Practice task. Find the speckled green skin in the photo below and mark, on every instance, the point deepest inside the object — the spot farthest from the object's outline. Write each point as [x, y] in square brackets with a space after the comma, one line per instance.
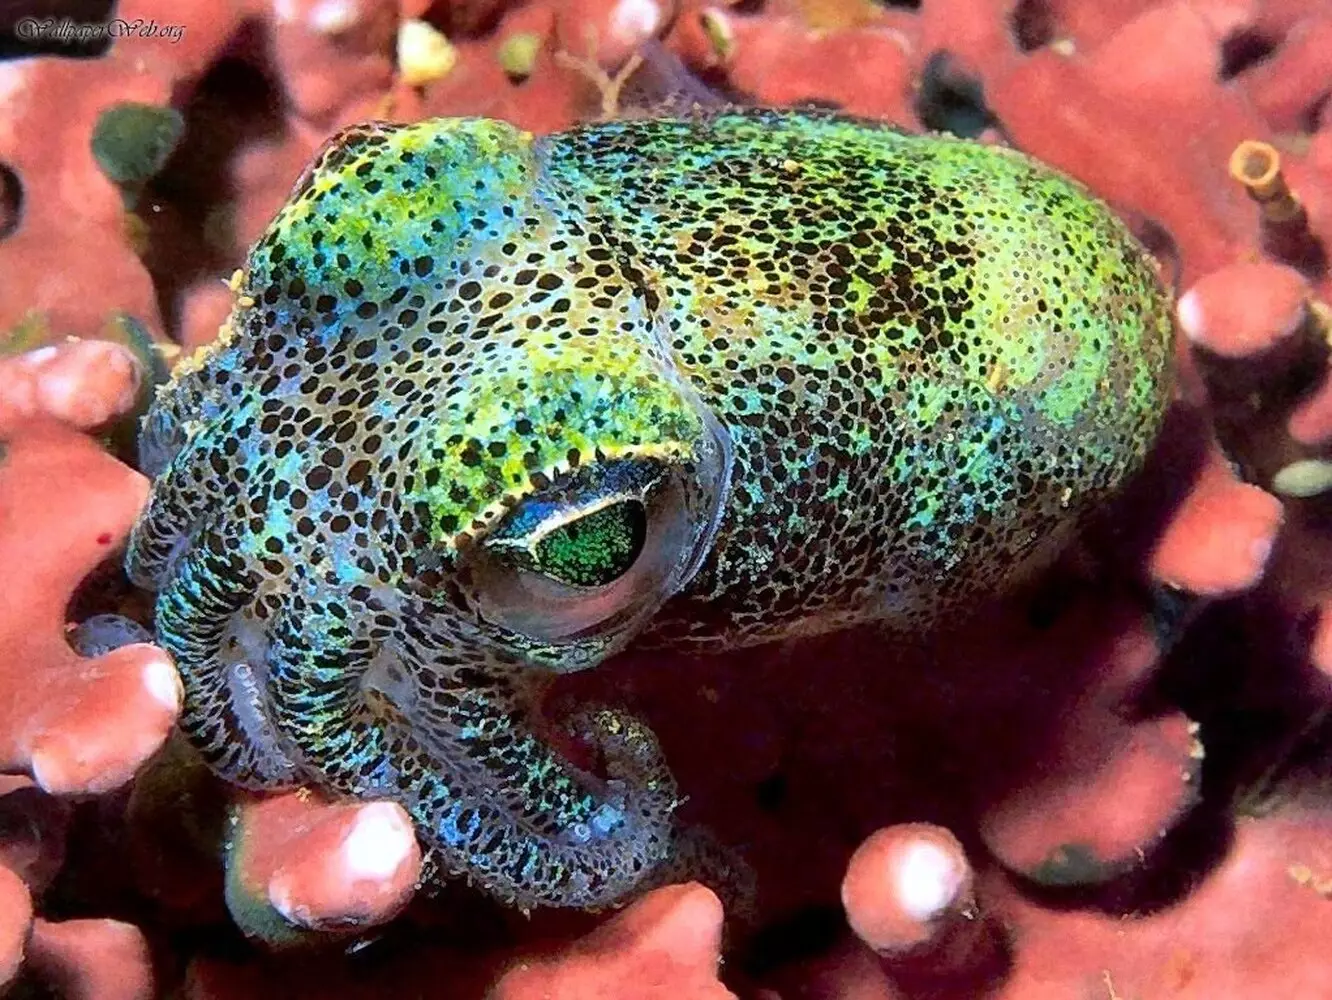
[491, 406]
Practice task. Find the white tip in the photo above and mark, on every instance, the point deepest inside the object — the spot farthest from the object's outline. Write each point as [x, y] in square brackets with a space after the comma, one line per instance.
[39, 357]
[1260, 549]
[380, 840]
[162, 682]
[333, 17]
[14, 77]
[928, 880]
[279, 897]
[635, 20]
[1190, 313]
[40, 767]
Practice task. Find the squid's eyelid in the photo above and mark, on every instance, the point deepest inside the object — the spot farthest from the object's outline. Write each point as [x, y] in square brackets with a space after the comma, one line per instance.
[521, 544]
[562, 519]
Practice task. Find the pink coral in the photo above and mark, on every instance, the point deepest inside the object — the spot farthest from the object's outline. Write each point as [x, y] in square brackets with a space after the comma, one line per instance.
[1056, 742]
[1275, 873]
[666, 945]
[15, 922]
[76, 724]
[910, 895]
[83, 384]
[93, 959]
[298, 864]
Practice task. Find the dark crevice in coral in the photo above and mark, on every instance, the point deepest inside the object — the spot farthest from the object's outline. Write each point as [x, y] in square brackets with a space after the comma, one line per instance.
[804, 934]
[748, 7]
[918, 977]
[1299, 768]
[187, 207]
[665, 84]
[1296, 244]
[1315, 116]
[1051, 597]
[11, 201]
[1253, 397]
[86, 886]
[1242, 51]
[1194, 847]
[1173, 612]
[819, 104]
[716, 81]
[1033, 25]
[464, 19]
[106, 590]
[950, 100]
[771, 793]
[1161, 245]
[28, 987]
[1123, 533]
[1249, 694]
[900, 4]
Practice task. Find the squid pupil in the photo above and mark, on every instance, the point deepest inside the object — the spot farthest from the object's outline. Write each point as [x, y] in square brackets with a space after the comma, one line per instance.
[597, 549]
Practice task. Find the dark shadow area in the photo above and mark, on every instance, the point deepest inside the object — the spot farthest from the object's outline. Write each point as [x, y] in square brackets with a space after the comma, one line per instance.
[11, 201]
[1177, 865]
[464, 19]
[1244, 50]
[1033, 24]
[1160, 243]
[187, 207]
[1126, 530]
[950, 100]
[801, 935]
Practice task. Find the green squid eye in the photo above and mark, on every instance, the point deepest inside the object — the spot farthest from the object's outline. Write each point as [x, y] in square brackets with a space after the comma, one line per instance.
[596, 549]
[585, 559]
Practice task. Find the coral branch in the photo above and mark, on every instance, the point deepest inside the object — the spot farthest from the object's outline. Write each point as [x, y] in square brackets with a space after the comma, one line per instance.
[1219, 542]
[15, 923]
[84, 384]
[76, 724]
[910, 895]
[297, 864]
[665, 946]
[93, 959]
[1285, 222]
[1245, 310]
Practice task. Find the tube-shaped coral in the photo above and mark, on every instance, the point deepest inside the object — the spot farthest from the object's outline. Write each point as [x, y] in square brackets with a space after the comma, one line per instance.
[909, 894]
[1285, 223]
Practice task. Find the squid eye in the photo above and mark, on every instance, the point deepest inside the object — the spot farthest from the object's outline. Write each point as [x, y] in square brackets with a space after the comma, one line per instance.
[596, 549]
[590, 556]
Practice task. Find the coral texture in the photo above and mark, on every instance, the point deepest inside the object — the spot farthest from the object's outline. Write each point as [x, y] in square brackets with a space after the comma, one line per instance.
[1113, 784]
[77, 724]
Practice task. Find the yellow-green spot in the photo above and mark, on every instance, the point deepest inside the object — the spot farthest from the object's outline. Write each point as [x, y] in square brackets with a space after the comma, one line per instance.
[1306, 478]
[517, 54]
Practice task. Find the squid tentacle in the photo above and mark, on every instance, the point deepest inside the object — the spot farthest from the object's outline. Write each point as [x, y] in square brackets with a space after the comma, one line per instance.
[202, 622]
[475, 718]
[588, 854]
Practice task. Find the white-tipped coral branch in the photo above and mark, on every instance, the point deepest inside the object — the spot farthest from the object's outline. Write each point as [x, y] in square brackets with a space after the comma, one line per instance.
[910, 895]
